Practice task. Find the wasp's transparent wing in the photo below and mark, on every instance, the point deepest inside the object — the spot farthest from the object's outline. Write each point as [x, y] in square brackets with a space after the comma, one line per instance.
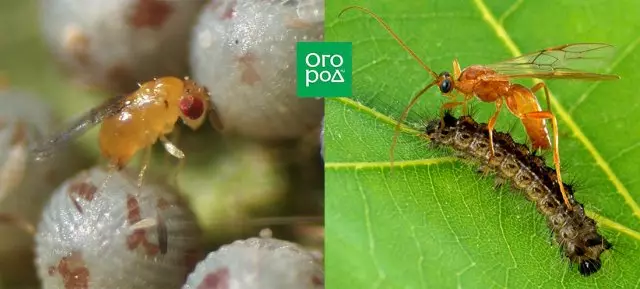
[76, 128]
[570, 61]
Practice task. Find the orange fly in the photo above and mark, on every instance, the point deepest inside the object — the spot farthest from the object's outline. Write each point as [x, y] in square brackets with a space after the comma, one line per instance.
[491, 83]
[136, 121]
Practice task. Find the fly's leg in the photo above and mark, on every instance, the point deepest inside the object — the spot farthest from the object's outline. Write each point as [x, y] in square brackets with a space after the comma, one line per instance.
[556, 151]
[175, 136]
[146, 159]
[171, 148]
[112, 169]
[174, 151]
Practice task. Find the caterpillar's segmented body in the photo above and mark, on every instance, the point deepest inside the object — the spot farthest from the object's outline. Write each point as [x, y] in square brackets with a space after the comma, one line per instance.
[574, 231]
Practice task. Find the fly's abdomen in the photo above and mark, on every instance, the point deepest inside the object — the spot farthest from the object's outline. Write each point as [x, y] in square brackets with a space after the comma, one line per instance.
[121, 136]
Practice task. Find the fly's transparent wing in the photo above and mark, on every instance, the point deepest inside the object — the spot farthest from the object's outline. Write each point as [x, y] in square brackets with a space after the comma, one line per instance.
[88, 120]
[570, 61]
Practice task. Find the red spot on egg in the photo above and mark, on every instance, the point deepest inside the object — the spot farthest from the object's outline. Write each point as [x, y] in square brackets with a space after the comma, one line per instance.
[150, 13]
[191, 107]
[73, 271]
[216, 280]
[83, 190]
[139, 236]
[249, 74]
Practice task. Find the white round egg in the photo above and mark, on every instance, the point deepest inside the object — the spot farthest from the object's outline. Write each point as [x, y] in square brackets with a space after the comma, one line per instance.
[258, 263]
[119, 237]
[25, 185]
[115, 44]
[244, 52]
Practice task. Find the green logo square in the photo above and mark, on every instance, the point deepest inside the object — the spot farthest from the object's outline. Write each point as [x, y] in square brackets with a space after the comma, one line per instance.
[324, 69]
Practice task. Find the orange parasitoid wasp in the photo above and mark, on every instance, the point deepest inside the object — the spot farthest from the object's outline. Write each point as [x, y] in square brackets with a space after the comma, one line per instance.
[492, 83]
[136, 121]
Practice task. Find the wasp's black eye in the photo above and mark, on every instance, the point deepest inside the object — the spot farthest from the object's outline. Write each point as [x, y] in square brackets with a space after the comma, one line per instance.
[445, 86]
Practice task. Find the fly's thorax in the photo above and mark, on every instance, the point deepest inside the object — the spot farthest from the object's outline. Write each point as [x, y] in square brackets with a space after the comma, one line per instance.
[148, 112]
[167, 92]
[155, 107]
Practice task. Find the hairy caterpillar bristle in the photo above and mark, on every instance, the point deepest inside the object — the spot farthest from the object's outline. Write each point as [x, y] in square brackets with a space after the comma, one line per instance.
[527, 172]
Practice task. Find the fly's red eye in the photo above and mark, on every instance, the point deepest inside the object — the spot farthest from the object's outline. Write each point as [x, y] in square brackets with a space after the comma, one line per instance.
[191, 107]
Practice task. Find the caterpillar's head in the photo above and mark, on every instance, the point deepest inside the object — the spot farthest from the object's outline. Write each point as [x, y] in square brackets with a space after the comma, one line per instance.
[590, 254]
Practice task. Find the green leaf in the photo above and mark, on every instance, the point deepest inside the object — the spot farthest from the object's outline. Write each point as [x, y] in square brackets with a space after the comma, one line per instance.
[435, 223]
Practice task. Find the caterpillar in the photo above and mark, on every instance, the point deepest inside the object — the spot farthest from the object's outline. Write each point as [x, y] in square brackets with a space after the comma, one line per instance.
[574, 231]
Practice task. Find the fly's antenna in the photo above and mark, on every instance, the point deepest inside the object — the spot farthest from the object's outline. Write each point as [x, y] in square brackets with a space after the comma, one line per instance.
[395, 36]
[402, 117]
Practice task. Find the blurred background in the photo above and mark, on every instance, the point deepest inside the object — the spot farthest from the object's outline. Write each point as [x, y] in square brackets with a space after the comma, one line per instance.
[60, 58]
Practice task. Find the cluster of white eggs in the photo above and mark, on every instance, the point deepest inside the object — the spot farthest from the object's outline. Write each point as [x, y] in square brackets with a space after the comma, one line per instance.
[97, 228]
[105, 232]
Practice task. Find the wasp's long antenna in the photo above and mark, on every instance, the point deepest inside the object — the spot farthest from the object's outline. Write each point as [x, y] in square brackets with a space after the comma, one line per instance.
[403, 116]
[395, 36]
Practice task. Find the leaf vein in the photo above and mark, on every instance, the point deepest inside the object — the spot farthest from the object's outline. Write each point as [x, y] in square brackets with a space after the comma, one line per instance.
[367, 217]
[378, 115]
[504, 237]
[386, 164]
[510, 10]
[411, 226]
